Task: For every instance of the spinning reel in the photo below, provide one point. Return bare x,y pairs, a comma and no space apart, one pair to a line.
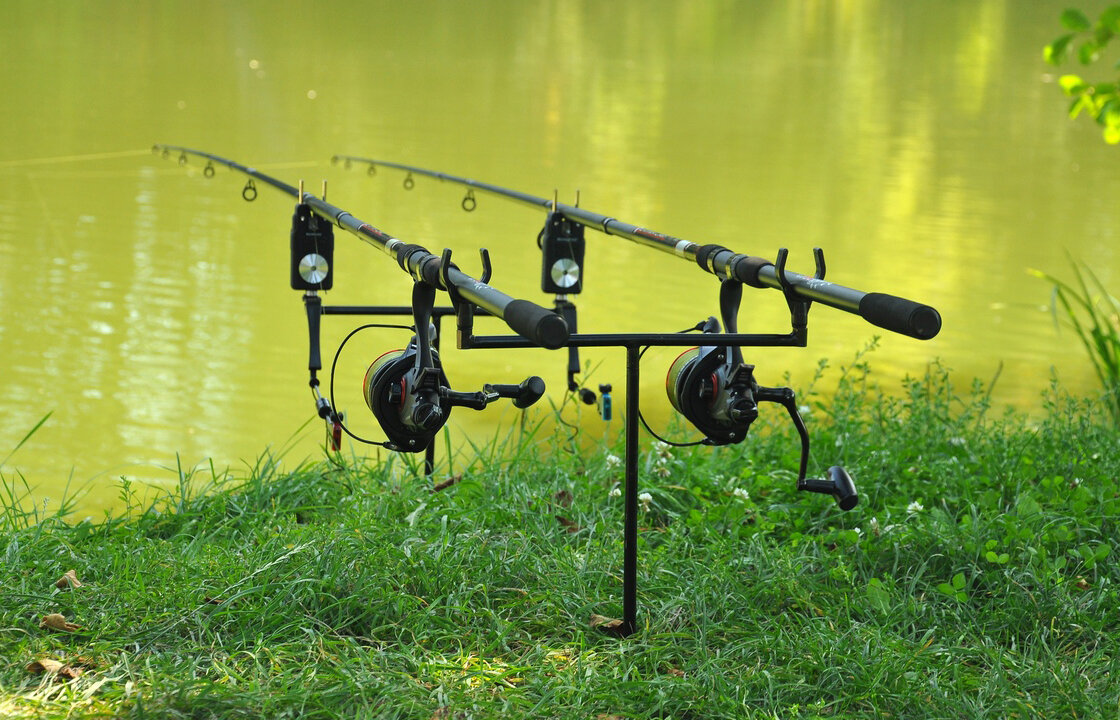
716,391
406,389
409,393
404,396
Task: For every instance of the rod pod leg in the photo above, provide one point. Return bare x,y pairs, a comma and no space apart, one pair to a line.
630,529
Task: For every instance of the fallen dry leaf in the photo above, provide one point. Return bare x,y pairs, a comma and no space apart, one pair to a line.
604,716
611,625
211,601
570,525
675,672
68,580
563,498
47,665
446,484
1082,583
57,621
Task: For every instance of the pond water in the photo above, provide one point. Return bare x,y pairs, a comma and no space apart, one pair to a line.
923,145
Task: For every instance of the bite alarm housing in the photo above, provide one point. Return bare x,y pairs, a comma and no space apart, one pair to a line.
562,247
312,250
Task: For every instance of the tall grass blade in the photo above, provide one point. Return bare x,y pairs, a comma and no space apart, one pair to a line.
1094,314
26,437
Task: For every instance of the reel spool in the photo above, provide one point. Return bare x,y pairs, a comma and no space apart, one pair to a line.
390,389
715,397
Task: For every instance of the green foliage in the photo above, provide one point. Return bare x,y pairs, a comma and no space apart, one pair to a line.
1099,100
1094,314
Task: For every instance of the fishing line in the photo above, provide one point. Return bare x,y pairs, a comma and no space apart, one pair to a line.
337,416
641,418
71,158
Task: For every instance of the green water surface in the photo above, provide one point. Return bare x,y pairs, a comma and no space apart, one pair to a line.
923,145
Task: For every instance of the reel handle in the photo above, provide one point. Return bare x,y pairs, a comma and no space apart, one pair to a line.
525,394
839,485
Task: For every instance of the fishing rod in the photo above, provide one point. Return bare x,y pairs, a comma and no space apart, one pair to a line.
406,390
880,309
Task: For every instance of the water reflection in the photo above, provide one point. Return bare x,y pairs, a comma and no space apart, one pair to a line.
147,306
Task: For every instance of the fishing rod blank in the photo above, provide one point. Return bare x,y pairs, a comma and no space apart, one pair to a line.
534,323
880,309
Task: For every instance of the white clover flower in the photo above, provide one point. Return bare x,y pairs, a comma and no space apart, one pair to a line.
615,492
914,508
662,471
741,494
613,461
645,499
859,532
804,409
958,441
873,523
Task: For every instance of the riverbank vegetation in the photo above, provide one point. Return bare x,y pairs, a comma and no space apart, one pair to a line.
976,578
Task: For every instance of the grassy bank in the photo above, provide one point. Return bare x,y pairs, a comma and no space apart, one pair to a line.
975,579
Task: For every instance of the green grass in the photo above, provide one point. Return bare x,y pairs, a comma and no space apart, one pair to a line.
1094,314
975,579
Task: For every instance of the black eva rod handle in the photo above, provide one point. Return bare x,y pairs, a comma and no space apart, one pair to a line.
534,323
900,315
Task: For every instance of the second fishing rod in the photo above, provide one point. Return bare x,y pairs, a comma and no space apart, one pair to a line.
883,310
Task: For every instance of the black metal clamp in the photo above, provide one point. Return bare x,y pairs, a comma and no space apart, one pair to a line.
798,304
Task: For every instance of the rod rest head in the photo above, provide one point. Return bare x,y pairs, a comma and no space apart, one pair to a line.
839,485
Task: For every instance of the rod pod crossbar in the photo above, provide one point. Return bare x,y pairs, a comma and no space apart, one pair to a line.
880,309
534,323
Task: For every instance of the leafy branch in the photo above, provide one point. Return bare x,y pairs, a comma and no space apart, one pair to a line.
1100,100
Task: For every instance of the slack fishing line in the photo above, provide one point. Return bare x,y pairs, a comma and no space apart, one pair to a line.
334,364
